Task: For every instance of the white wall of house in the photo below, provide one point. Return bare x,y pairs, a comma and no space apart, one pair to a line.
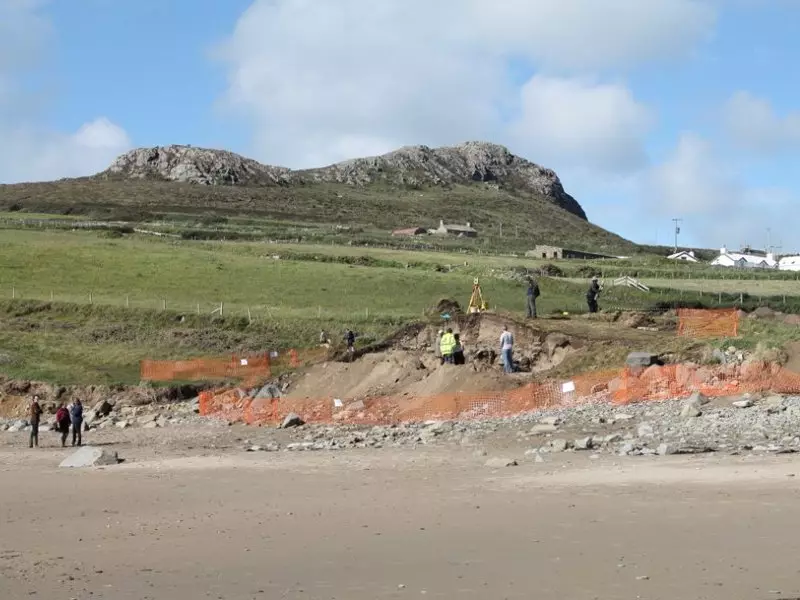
789,263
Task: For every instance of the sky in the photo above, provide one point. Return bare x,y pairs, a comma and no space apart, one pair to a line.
649,110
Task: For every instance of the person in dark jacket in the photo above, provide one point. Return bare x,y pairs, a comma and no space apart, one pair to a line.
533,294
593,294
34,418
62,423
76,416
458,353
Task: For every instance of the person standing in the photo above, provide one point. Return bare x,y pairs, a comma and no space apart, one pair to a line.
350,339
62,423
506,349
76,416
448,346
593,294
437,349
34,418
533,294
458,352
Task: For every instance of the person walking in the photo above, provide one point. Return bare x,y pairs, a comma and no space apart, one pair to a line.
593,294
76,416
350,339
506,349
533,294
34,417
448,346
437,349
62,423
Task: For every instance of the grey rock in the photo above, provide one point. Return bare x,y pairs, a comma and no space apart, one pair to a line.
645,430
268,447
641,359
292,420
612,438
552,421
559,445
121,424
501,463
586,443
774,404
623,417
268,392
300,446
667,449
627,449
151,425
543,429
103,408
89,456
746,403
690,410
147,419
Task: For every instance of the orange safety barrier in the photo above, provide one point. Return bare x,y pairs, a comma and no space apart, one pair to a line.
625,386
708,323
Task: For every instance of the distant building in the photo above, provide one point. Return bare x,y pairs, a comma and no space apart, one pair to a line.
557,253
789,263
410,231
741,260
685,255
459,230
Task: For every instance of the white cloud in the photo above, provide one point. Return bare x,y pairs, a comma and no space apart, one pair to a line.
326,81
753,124
29,152
716,203
573,122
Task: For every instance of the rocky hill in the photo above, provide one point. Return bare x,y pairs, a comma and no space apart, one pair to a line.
408,167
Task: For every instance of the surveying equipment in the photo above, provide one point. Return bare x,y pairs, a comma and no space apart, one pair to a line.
476,302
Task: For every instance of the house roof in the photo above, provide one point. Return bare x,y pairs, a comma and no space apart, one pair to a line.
683,253
748,258
459,228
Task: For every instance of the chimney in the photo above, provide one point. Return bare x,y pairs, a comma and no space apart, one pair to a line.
469,224
441,223
770,257
691,253
723,250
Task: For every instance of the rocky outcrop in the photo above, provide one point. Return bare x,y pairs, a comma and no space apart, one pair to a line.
411,166
193,165
464,163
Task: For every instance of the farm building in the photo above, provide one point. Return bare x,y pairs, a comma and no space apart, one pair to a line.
556,253
742,260
459,230
684,255
789,263
410,231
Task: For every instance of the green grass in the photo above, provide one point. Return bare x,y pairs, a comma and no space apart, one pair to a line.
523,220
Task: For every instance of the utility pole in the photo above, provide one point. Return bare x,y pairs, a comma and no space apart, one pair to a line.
769,239
677,231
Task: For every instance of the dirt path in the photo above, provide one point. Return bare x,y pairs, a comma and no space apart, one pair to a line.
382,524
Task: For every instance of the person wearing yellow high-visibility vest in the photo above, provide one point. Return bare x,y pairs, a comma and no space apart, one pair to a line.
448,346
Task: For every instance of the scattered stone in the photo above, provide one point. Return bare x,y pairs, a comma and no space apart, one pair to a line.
623,417
103,408
746,403
89,456
301,446
292,420
559,445
268,392
147,419
268,447
543,429
151,425
501,463
774,404
666,450
121,424
553,421
644,430
584,443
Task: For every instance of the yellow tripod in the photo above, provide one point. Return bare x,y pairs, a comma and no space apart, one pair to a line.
476,301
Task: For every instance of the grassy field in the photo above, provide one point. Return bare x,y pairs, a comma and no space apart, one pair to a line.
754,287
82,306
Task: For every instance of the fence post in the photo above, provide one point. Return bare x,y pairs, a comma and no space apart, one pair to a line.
90,298
249,316
221,309
13,292
127,301
51,296
198,308
164,304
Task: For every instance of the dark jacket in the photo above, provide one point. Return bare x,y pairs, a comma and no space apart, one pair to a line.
350,337
594,290
533,290
36,413
76,413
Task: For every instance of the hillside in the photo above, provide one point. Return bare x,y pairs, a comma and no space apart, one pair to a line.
475,182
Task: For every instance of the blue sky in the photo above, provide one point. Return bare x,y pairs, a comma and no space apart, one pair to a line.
647,110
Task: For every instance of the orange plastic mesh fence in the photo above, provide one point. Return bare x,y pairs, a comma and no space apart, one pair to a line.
623,386
233,367
708,323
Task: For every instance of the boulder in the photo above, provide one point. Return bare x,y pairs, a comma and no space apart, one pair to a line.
268,392
641,359
584,443
292,420
103,408
89,456
543,429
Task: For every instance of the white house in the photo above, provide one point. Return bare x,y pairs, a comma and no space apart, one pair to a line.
789,263
459,230
685,255
744,261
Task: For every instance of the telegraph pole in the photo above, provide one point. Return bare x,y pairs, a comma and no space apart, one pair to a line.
677,231
769,239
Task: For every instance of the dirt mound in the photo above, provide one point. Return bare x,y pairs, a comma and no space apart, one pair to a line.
446,305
